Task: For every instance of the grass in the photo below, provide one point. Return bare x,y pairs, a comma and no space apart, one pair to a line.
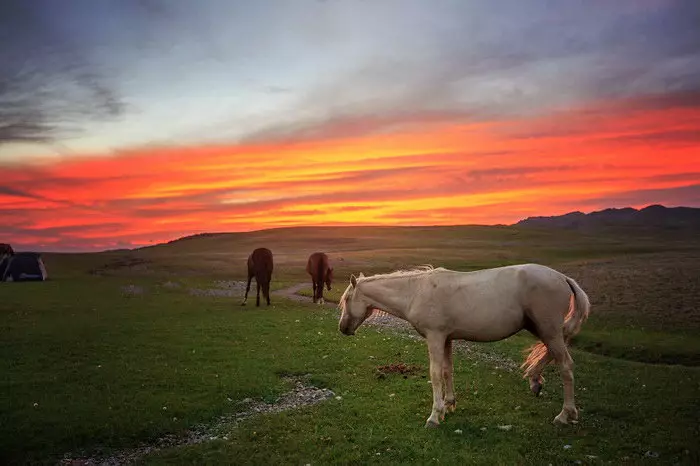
88,368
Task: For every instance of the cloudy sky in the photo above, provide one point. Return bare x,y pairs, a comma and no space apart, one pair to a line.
125,122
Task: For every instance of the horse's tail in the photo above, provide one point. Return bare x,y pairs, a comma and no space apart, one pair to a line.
579,308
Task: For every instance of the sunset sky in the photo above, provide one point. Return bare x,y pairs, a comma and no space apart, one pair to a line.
125,123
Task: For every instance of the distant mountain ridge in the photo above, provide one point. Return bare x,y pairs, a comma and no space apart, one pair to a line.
653,216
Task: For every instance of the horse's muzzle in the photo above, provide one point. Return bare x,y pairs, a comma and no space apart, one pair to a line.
345,329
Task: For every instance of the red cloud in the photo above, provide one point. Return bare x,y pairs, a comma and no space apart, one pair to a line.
442,173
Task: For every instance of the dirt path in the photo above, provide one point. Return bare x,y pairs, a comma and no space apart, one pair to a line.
291,293
301,395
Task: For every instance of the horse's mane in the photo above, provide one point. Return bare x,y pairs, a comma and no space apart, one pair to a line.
395,274
400,273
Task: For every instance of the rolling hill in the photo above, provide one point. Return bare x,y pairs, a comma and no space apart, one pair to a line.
651,217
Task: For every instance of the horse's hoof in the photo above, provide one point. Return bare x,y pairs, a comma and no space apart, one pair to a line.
451,407
561,419
243,303
431,424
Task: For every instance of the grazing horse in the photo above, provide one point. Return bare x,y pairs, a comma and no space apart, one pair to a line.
319,267
260,267
486,305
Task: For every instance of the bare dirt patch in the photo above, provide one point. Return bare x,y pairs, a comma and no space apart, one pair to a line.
658,292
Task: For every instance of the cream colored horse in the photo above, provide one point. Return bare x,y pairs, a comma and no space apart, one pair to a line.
486,305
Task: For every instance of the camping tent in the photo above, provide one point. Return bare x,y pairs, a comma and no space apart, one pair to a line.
22,266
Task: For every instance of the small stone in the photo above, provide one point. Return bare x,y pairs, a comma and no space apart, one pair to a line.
517,408
567,447
506,427
458,431
483,429
591,457
165,408
338,397
392,395
36,405
297,320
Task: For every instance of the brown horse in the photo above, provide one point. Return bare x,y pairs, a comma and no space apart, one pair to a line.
319,267
260,267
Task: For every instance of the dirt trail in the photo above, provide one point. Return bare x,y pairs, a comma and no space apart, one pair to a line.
291,293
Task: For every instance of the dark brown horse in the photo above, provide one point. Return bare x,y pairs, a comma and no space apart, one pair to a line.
260,267
319,267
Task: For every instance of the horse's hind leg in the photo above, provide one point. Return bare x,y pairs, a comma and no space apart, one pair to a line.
560,353
247,289
266,289
447,372
257,294
315,287
536,380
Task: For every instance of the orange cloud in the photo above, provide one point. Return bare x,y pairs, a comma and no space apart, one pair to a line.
629,153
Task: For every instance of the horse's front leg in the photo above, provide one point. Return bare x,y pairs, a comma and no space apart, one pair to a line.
447,374
315,287
436,350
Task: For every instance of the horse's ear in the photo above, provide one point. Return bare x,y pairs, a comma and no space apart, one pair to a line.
362,274
353,281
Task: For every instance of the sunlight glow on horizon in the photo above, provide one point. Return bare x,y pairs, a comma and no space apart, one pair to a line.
442,174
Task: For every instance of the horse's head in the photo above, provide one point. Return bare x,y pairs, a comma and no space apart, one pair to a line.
354,308
329,278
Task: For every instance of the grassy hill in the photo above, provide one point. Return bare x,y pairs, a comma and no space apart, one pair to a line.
116,351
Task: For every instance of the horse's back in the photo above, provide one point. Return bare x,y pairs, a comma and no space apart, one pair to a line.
316,261
261,260
491,304
525,286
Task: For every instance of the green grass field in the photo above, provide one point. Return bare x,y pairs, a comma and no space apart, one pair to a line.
91,368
